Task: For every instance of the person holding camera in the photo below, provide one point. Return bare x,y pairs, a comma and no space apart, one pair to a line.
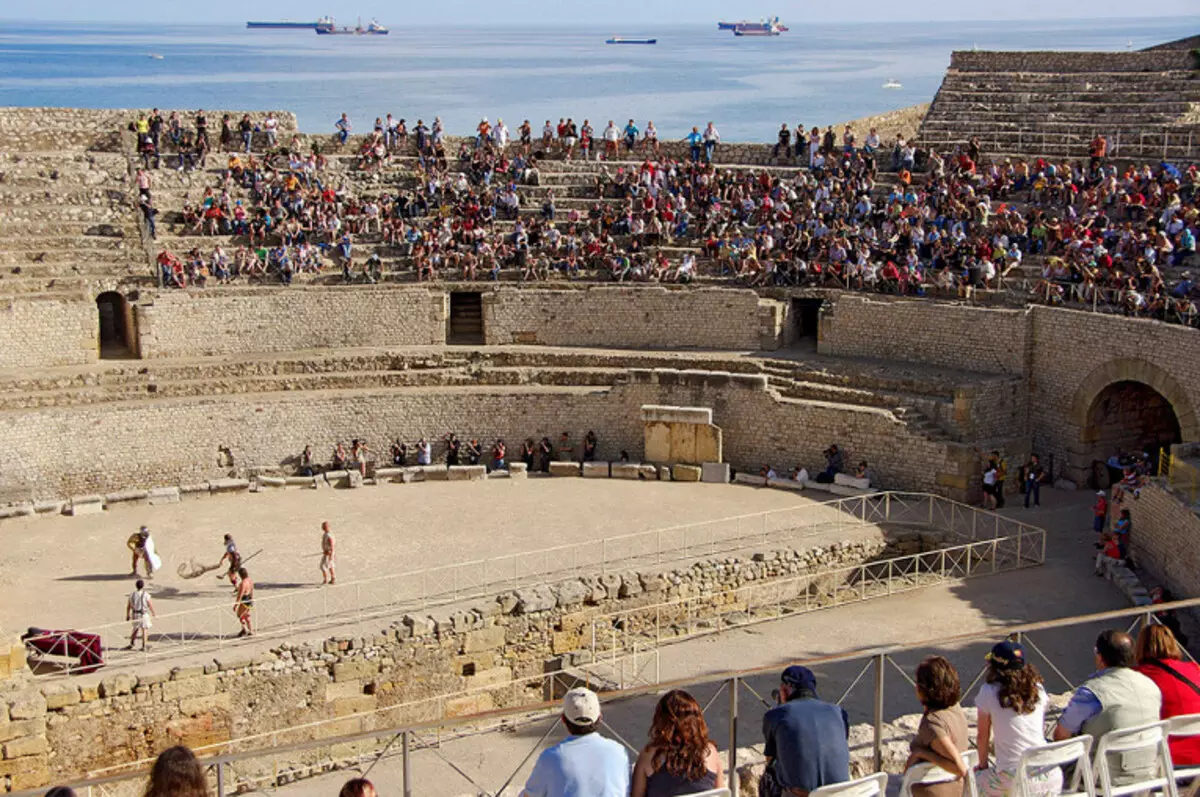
806,739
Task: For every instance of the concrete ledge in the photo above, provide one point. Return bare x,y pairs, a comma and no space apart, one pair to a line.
49,507
86,505
841,489
664,473
565,469
387,474
517,467
498,473
715,472
661,413
686,473
16,510
595,470
750,478
228,485
466,473
299,481
124,496
335,478
846,480
625,470
824,487
274,481
164,495
786,484
434,473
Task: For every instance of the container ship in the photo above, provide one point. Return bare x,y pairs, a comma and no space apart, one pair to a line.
287,24
327,28
765,27
623,40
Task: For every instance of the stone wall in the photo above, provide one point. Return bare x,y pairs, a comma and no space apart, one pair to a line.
103,720
45,129
1066,62
954,336
1166,538
171,441
46,331
623,317
235,321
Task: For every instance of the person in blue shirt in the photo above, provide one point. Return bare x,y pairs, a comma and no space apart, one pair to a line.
631,134
696,143
585,764
806,738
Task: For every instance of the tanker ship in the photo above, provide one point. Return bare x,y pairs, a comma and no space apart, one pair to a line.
287,24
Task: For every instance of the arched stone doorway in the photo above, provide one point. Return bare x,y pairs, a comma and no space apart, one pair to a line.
1129,405
116,334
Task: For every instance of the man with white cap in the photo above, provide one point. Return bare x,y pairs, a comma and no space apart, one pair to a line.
585,764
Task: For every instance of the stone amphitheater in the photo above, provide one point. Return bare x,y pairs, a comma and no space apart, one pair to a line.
118,392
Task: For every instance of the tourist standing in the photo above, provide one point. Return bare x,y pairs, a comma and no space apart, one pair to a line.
424,452
327,555
1035,474
138,611
711,139
343,127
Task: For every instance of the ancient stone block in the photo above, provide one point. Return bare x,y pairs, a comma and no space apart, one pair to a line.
465,473
86,505
686,473
653,582
336,478
595,470
420,626
715,472
276,481
749,478
787,484
683,443
624,470
354,705
517,470
184,673
657,413
60,695
435,473
570,593
115,685
354,670
125,496
18,728
656,440
354,479
565,641
342,690
49,507
26,705
494,676
535,599
664,473
564,469
841,489
631,585
29,745
611,583
189,688
709,444
164,495
846,480
195,706
469,704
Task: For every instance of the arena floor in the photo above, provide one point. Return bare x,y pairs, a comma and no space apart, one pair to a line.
66,572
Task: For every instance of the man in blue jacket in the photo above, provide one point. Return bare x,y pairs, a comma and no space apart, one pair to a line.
807,738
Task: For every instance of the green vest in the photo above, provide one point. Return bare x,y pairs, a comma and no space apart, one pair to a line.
1127,699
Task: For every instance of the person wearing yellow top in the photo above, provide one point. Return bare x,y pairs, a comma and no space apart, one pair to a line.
134,544
142,125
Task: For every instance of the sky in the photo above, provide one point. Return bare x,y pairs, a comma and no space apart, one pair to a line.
524,12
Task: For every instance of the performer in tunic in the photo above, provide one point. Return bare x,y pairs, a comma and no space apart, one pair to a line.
138,611
151,558
134,544
243,601
327,552
233,557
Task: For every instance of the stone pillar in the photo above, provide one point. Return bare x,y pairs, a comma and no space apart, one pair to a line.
681,435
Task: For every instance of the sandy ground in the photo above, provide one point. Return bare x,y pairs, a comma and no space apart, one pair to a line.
65,572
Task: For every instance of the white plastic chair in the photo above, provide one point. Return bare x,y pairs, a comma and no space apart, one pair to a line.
1184,725
1147,741
927,774
1076,750
870,786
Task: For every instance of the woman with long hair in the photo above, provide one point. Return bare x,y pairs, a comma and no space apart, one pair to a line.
680,758
1012,710
942,735
1160,658
177,773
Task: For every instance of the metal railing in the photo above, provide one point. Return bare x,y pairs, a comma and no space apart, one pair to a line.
616,633
1099,299
1159,144
282,760
296,611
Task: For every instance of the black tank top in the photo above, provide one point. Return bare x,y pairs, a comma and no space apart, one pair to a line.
664,784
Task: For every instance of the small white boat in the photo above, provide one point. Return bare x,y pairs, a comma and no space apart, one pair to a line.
892,83
155,56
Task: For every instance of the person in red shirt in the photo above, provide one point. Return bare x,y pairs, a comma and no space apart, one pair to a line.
1160,659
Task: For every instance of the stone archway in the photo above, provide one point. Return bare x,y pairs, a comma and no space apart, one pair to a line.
117,338
1131,405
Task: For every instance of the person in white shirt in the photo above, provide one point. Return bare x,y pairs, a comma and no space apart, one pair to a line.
611,136
138,611
650,137
711,139
1012,709
270,127
500,136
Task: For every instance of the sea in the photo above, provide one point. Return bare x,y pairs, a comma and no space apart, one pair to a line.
815,74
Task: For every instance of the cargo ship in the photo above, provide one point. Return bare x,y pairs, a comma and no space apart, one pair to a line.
327,28
756,32
745,25
287,24
623,40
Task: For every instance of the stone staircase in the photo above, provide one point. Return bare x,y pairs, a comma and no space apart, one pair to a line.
1147,104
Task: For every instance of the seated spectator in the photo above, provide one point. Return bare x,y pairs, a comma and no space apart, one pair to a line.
942,735
1012,708
357,787
833,465
589,446
798,474
499,453
1160,659
307,465
806,738
863,471
680,758
585,764
1115,697
177,773
1110,551
399,453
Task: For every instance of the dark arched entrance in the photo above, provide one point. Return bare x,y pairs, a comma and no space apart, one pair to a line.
1131,417
116,323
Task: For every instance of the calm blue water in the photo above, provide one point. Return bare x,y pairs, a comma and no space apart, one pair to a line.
815,74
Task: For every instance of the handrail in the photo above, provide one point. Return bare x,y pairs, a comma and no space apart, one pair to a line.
545,707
